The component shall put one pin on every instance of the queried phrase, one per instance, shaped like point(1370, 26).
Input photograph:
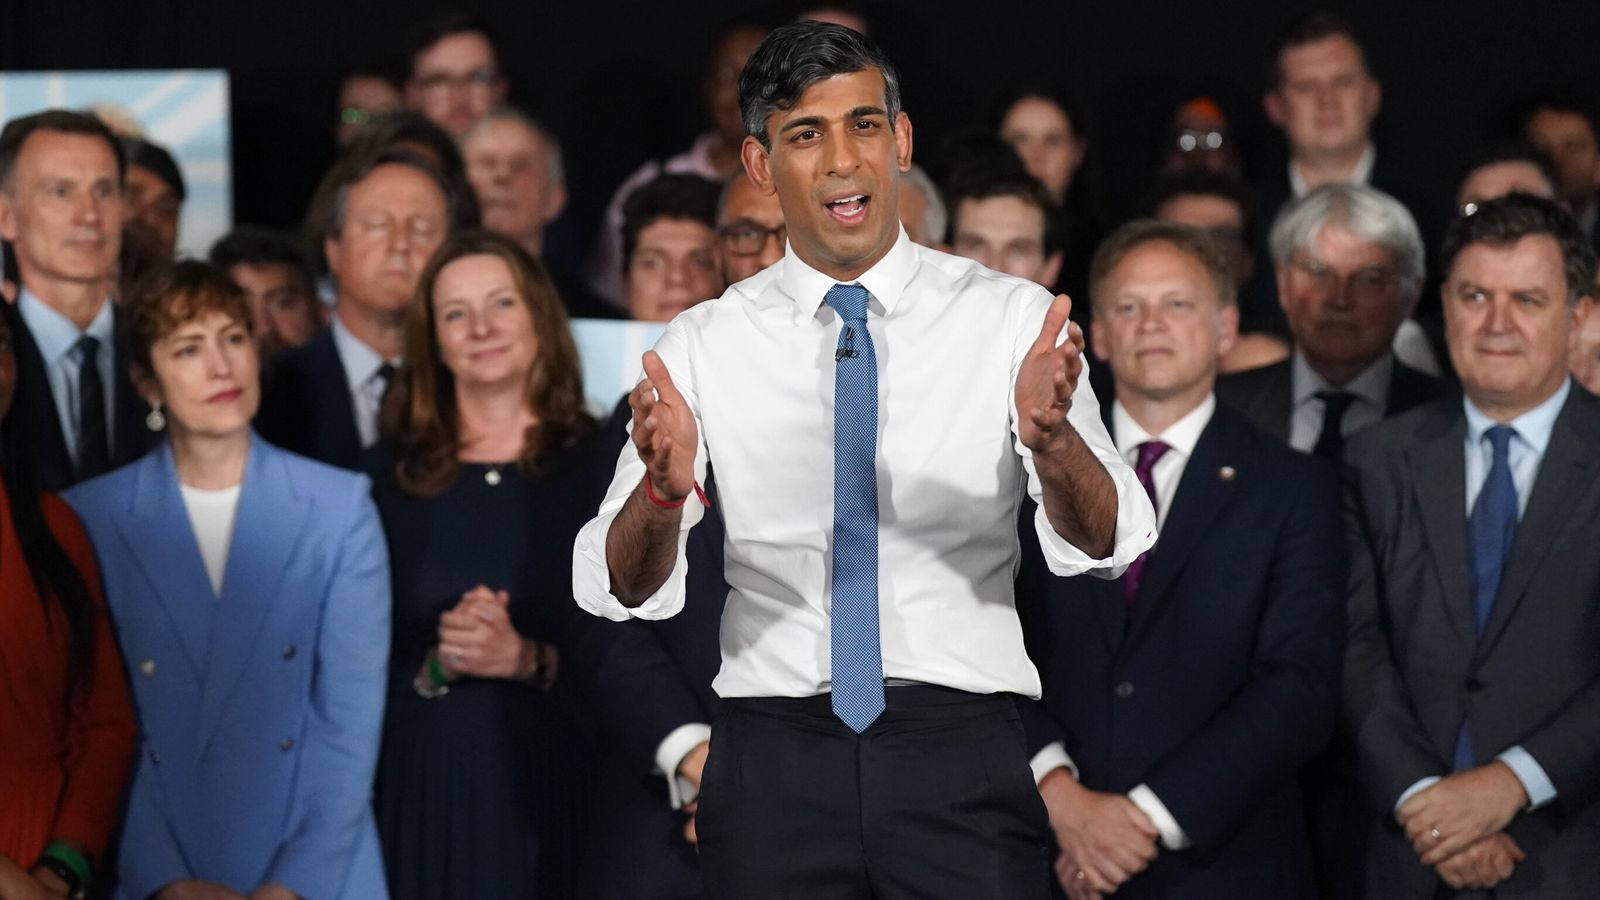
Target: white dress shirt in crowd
point(361, 364)
point(1181, 436)
point(1361, 175)
point(211, 516)
point(57, 339)
point(1525, 453)
point(1370, 387)
point(756, 367)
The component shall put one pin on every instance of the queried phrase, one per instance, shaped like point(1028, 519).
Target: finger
point(1142, 822)
point(489, 613)
point(1101, 881)
point(1446, 847)
point(1055, 318)
point(1075, 336)
point(1047, 419)
point(503, 598)
point(1512, 847)
point(661, 379)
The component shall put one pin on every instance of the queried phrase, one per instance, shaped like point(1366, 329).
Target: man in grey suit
point(1472, 678)
point(1349, 264)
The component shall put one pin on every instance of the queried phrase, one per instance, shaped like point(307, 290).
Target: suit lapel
point(1409, 388)
point(1565, 475)
point(161, 540)
point(1203, 491)
point(1438, 469)
point(37, 407)
point(267, 527)
point(338, 438)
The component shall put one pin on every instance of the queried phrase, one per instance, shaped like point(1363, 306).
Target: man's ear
point(758, 165)
point(1051, 270)
point(8, 217)
point(1277, 113)
point(555, 200)
point(902, 141)
point(331, 251)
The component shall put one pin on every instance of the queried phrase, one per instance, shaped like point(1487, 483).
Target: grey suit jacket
point(1415, 667)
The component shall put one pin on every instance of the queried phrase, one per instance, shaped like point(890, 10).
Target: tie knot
point(1149, 453)
point(849, 301)
point(88, 346)
point(1336, 402)
point(1500, 439)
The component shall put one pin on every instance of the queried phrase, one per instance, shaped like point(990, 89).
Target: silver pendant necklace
point(491, 476)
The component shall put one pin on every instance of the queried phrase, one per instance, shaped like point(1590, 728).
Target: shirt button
point(155, 758)
point(288, 652)
point(286, 744)
point(1124, 689)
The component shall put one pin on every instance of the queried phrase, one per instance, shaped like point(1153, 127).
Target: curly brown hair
point(172, 294)
point(419, 417)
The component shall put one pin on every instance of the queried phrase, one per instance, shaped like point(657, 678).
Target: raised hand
point(1482, 865)
point(1047, 377)
point(663, 431)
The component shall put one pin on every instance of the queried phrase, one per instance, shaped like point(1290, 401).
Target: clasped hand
point(1048, 377)
point(1105, 839)
point(1469, 811)
point(477, 638)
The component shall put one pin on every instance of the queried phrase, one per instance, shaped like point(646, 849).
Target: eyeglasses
point(442, 82)
point(355, 115)
point(1190, 140)
point(1370, 283)
point(746, 238)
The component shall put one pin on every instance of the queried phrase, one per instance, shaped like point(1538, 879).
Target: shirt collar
point(1533, 427)
point(360, 361)
point(885, 281)
point(1181, 435)
point(54, 333)
point(1371, 384)
point(1362, 174)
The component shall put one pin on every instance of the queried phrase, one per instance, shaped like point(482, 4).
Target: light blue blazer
point(259, 710)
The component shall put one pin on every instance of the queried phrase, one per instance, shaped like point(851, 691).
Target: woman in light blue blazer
point(250, 592)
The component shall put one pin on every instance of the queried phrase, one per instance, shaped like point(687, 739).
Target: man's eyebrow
point(860, 112)
point(802, 122)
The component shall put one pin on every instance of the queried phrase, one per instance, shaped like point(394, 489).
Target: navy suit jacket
point(306, 407)
point(1224, 680)
point(259, 710)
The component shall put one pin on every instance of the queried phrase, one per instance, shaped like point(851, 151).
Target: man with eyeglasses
point(1349, 263)
point(323, 398)
point(750, 228)
point(455, 73)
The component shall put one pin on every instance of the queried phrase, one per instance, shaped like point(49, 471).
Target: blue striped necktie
point(856, 651)
point(1490, 531)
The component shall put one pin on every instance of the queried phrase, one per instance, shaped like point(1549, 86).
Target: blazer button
point(147, 668)
point(1124, 689)
point(286, 744)
point(288, 652)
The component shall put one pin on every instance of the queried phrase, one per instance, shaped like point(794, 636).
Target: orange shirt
point(63, 768)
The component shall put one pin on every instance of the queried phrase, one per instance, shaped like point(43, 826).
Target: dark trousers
point(935, 800)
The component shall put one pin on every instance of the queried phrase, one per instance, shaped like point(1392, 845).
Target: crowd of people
point(290, 604)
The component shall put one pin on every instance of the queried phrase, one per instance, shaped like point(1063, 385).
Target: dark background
point(618, 81)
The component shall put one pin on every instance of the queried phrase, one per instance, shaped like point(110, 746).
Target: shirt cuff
point(1421, 785)
point(1172, 836)
point(1541, 790)
point(670, 755)
point(591, 574)
point(1050, 757)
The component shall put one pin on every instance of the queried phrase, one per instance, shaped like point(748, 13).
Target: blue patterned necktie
point(857, 655)
point(1490, 531)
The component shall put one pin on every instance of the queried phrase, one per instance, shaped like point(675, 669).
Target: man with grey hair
point(515, 167)
point(922, 209)
point(1349, 263)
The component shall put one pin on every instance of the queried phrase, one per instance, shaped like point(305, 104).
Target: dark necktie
point(94, 450)
point(857, 653)
point(1330, 442)
point(1491, 529)
point(385, 376)
point(1150, 452)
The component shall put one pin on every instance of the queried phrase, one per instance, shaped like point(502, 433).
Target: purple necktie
point(1149, 453)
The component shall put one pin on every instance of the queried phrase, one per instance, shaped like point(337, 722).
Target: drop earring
point(155, 420)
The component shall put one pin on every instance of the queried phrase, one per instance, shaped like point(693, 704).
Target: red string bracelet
point(650, 494)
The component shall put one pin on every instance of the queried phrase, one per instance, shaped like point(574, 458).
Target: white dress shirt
point(1181, 436)
point(211, 516)
point(756, 367)
point(1525, 453)
point(57, 339)
point(1361, 175)
point(361, 364)
point(1370, 387)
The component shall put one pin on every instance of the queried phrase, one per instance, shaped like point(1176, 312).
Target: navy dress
point(479, 792)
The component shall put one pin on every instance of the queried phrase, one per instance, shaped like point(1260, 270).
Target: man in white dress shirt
point(874, 410)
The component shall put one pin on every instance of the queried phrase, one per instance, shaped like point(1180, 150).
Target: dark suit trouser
point(935, 800)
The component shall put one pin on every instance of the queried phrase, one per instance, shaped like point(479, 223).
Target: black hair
point(669, 196)
point(256, 245)
point(1506, 220)
point(1560, 102)
point(55, 577)
point(444, 25)
point(1308, 29)
point(17, 131)
point(794, 57)
point(1511, 152)
point(991, 169)
point(1206, 183)
point(360, 167)
point(146, 155)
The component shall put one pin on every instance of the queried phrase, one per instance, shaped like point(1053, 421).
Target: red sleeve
point(102, 731)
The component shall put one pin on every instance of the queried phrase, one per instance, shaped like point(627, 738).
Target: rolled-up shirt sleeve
point(1136, 518)
point(591, 575)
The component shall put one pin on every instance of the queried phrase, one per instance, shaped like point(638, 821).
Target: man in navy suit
point(323, 398)
point(1181, 699)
